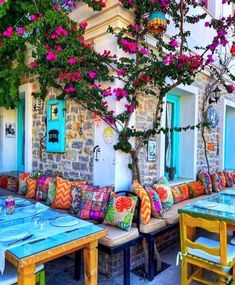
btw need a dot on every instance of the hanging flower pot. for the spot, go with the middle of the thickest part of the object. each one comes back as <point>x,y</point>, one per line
<point>156,23</point>
<point>232,50</point>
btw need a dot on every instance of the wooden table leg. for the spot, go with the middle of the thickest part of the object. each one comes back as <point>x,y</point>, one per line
<point>26,275</point>
<point>90,254</point>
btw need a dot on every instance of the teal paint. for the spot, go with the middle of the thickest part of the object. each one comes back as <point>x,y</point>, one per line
<point>175,101</point>
<point>56,128</point>
<point>21,137</point>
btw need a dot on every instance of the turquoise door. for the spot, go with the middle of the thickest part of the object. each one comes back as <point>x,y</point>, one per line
<point>172,138</point>
<point>21,136</point>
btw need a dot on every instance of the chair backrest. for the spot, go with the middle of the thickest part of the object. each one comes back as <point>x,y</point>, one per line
<point>189,224</point>
<point>136,218</point>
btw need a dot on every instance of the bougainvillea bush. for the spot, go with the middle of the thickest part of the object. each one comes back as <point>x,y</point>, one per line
<point>65,61</point>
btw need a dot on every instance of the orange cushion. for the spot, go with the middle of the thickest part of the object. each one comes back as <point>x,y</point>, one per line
<point>63,198</point>
<point>196,189</point>
<point>145,209</point>
<point>31,187</point>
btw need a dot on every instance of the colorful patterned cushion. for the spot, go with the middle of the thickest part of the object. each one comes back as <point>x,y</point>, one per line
<point>22,182</point>
<point>216,182</point>
<point>75,192</point>
<point>93,205</point>
<point>31,187</point>
<point>233,176</point>
<point>196,189</point>
<point>120,211</point>
<point>229,178</point>
<point>145,209</point>
<point>42,188</point>
<point>205,178</point>
<point>4,181</point>
<point>156,205</point>
<point>180,193</point>
<point>165,194</point>
<point>51,191</point>
<point>13,184</point>
<point>63,196</point>
<point>222,178</point>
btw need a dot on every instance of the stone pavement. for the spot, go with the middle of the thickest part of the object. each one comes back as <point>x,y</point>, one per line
<point>61,272</point>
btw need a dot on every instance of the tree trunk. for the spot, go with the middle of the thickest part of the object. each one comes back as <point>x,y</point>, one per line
<point>135,166</point>
<point>205,148</point>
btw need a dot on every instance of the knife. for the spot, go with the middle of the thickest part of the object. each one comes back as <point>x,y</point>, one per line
<point>19,240</point>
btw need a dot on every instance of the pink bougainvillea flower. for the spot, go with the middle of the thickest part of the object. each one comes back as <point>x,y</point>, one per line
<point>33,18</point>
<point>169,59</point>
<point>51,56</point>
<point>173,43</point>
<point>109,120</point>
<point>72,60</point>
<point>96,86</point>
<point>91,74</point>
<point>69,89</point>
<point>53,36</point>
<point>130,108</point>
<point>231,87</point>
<point>107,92</point>
<point>60,31</point>
<point>144,51</point>
<point>83,25</point>
<point>2,2</point>
<point>58,48</point>
<point>8,33</point>
<point>121,71</point>
<point>129,46</point>
<point>32,64</point>
<point>120,93</point>
<point>20,31</point>
<point>56,7</point>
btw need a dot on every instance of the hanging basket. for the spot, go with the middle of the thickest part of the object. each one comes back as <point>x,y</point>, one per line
<point>157,23</point>
<point>232,50</point>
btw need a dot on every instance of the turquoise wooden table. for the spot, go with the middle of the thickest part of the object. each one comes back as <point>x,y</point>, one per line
<point>52,243</point>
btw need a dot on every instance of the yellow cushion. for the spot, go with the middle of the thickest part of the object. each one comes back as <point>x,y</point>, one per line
<point>117,236</point>
<point>145,210</point>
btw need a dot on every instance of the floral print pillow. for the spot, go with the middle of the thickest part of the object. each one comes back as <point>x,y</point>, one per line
<point>216,182</point>
<point>120,211</point>
<point>229,178</point>
<point>156,205</point>
<point>22,182</point>
<point>196,189</point>
<point>205,178</point>
<point>43,183</point>
<point>165,194</point>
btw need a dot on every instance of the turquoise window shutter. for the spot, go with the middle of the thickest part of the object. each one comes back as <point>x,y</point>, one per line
<point>56,126</point>
<point>172,151</point>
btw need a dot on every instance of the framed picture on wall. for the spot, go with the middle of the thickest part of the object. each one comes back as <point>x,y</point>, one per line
<point>151,150</point>
<point>10,130</point>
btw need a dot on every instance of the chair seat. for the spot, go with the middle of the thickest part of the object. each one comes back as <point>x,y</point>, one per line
<point>117,236</point>
<point>10,274</point>
<point>212,243</point>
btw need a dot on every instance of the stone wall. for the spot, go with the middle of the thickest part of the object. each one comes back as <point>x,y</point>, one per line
<point>77,161</point>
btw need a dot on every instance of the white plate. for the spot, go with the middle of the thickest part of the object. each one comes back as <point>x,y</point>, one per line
<point>12,234</point>
<point>65,221</point>
<point>211,205</point>
<point>29,209</point>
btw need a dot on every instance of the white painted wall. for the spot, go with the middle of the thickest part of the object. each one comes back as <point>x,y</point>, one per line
<point>8,146</point>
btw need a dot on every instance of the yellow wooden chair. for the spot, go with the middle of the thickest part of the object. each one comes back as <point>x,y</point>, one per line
<point>204,253</point>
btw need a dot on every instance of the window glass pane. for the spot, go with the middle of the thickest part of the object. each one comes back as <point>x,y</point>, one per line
<point>169,135</point>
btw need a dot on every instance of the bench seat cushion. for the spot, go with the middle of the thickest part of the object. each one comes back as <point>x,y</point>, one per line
<point>154,225</point>
<point>117,236</point>
<point>172,216</point>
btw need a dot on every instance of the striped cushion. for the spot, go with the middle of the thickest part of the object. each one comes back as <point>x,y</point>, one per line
<point>145,210</point>
<point>31,187</point>
<point>63,198</point>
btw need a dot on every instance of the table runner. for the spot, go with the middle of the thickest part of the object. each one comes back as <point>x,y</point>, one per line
<point>49,231</point>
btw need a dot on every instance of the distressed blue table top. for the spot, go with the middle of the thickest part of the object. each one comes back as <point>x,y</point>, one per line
<point>217,207</point>
<point>51,236</point>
